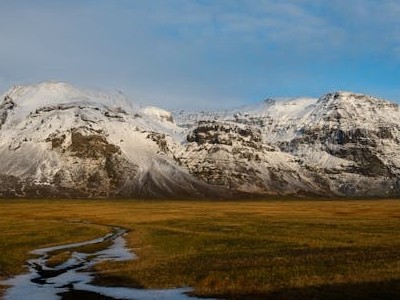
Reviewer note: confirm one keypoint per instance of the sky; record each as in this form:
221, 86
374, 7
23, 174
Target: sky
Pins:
204, 54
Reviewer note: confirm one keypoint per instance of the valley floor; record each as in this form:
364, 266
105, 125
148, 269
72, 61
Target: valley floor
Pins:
272, 249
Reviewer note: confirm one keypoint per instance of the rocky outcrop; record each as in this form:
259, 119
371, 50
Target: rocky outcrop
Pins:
6, 106
235, 157
218, 133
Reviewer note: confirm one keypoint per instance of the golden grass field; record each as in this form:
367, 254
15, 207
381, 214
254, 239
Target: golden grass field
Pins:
272, 249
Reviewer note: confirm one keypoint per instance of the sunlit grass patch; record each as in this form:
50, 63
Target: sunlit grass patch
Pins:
223, 257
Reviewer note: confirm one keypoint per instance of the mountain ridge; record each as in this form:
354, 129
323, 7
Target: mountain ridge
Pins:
60, 141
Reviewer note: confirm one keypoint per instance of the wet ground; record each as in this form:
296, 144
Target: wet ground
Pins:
73, 279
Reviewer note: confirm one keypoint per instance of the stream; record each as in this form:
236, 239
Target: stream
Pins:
73, 278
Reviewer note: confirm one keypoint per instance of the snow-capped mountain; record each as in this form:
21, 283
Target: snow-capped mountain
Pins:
56, 140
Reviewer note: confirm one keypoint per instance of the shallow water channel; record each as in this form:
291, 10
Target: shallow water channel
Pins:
73, 278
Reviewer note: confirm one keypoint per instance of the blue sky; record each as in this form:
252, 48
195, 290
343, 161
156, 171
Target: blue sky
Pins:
204, 53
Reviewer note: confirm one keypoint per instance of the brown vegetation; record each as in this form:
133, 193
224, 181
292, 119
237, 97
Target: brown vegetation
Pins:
236, 250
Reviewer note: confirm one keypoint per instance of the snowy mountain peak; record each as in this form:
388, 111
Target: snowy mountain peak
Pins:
43, 91
355, 109
351, 98
29, 98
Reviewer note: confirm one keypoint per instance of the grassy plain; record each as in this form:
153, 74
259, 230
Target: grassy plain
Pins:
272, 249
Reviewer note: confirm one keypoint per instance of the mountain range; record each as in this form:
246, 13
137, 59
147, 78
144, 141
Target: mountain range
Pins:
60, 141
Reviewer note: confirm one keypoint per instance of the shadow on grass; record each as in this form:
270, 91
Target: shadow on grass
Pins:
385, 290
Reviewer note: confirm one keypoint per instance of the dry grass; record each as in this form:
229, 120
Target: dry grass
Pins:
59, 258
238, 250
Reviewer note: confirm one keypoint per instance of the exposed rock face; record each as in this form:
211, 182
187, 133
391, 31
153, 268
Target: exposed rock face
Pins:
341, 144
96, 168
233, 155
6, 106
58, 141
224, 152
225, 134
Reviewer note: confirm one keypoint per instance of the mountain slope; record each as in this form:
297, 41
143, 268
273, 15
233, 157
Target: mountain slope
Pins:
343, 143
56, 140
59, 141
